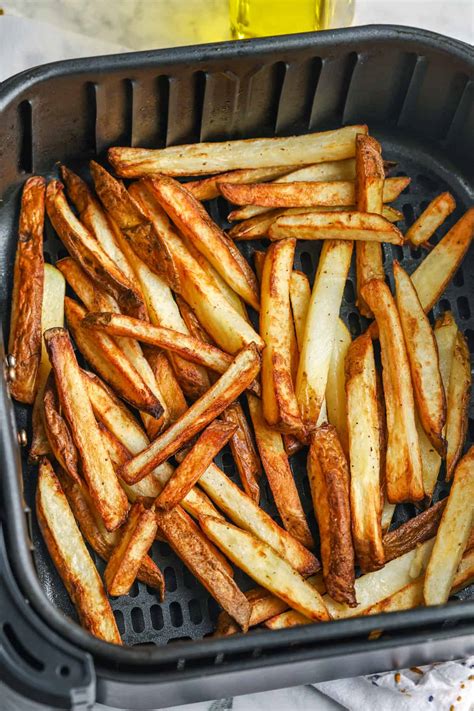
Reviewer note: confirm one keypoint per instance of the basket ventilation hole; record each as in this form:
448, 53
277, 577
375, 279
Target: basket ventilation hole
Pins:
444, 305
134, 590
469, 333
25, 161
170, 579
195, 613
458, 279
463, 308
189, 579
118, 614
22, 652
176, 614
138, 623
156, 615
63, 670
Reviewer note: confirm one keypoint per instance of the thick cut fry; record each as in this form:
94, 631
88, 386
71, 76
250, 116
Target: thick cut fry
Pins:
320, 328
243, 451
105, 356
137, 535
97, 468
364, 448
403, 473
52, 314
437, 269
205, 158
280, 406
331, 170
208, 188
198, 555
458, 402
280, 477
268, 569
413, 532
58, 432
428, 222
358, 226
300, 296
230, 385
335, 388
423, 359
453, 534
167, 382
71, 557
24, 343
195, 463
329, 479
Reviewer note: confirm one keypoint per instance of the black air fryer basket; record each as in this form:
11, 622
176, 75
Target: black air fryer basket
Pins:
416, 91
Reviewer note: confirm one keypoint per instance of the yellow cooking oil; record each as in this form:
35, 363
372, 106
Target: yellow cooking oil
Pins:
261, 18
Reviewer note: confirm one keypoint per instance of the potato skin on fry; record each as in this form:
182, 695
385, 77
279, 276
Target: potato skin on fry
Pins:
243, 450
58, 432
458, 402
413, 532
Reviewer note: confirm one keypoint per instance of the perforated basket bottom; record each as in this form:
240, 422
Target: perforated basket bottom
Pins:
188, 611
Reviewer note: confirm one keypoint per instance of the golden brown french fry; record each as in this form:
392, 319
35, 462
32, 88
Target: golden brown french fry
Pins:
168, 384
329, 479
300, 296
403, 473
453, 534
208, 188
336, 385
268, 569
413, 532
243, 451
423, 359
320, 328
230, 385
364, 448
435, 272
198, 554
137, 535
52, 314
71, 557
246, 514
195, 463
330, 170
458, 402
360, 226
430, 219
280, 477
58, 432
105, 356
24, 343
280, 406
205, 158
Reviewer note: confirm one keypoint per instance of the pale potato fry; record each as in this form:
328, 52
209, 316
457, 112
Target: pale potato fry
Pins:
243, 450
197, 553
97, 468
329, 479
388, 510
58, 432
364, 448
453, 534
330, 170
268, 569
430, 219
280, 477
168, 384
300, 296
230, 385
71, 557
416, 530
336, 401
208, 188
437, 269
194, 464
403, 473
320, 328
423, 359
137, 535
458, 402
280, 406
205, 158
360, 226
291, 618
24, 343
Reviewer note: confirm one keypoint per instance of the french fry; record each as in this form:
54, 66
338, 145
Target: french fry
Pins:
435, 272
403, 473
330, 170
24, 344
208, 188
423, 359
280, 406
329, 479
198, 555
230, 385
97, 468
137, 535
413, 532
168, 384
71, 557
453, 534
105, 356
58, 432
336, 402
52, 314
430, 219
195, 463
364, 448
246, 514
267, 568
243, 451
205, 158
320, 328
280, 477
358, 226
300, 296
458, 402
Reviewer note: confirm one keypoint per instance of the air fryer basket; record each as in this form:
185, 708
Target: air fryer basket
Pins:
415, 90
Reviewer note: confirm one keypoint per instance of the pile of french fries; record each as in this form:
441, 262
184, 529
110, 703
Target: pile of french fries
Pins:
175, 370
